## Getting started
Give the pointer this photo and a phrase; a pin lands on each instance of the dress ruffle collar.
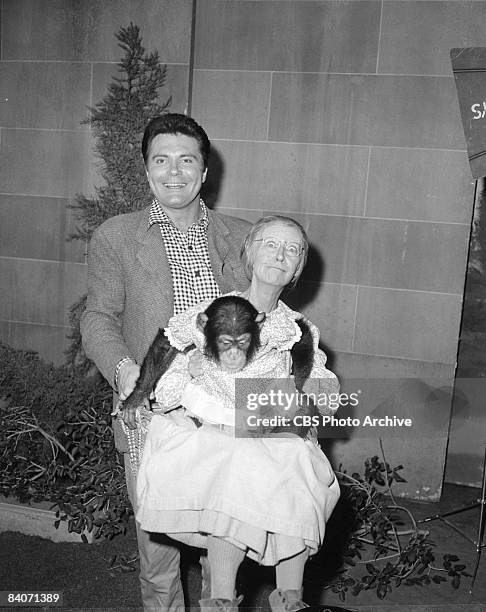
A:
(279, 330)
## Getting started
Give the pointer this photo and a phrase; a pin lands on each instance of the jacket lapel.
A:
(152, 257)
(218, 245)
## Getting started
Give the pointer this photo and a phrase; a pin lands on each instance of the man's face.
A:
(175, 170)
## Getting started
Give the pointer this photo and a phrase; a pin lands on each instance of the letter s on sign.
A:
(475, 108)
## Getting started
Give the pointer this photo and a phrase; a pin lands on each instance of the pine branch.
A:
(117, 123)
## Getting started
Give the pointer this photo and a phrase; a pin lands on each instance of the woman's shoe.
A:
(286, 601)
(216, 604)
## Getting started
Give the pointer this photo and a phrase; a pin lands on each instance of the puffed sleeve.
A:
(322, 383)
(170, 386)
(182, 329)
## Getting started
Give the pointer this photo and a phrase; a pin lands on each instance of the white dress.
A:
(270, 496)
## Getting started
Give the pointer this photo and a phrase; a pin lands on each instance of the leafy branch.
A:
(56, 444)
(396, 551)
(117, 123)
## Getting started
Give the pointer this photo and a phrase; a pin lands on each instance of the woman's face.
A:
(273, 263)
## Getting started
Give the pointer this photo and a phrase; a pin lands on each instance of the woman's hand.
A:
(195, 363)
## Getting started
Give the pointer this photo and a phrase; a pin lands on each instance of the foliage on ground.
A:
(385, 539)
(56, 443)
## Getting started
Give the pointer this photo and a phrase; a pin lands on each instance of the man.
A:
(145, 266)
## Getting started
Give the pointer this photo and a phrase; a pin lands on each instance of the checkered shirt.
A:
(188, 255)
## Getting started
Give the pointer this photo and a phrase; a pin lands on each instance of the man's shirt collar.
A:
(159, 216)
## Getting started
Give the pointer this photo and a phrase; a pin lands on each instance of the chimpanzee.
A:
(231, 328)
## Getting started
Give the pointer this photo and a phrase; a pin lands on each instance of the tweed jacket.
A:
(130, 292)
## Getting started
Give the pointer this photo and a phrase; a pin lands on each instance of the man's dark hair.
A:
(176, 123)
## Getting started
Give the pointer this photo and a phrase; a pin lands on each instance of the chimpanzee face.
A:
(231, 327)
(233, 352)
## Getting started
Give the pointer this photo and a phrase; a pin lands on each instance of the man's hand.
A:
(127, 377)
(195, 363)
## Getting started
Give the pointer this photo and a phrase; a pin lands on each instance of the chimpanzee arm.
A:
(168, 390)
(302, 353)
(157, 360)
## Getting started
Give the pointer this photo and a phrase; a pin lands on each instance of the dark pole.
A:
(191, 60)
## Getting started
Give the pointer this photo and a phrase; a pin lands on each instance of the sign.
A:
(469, 68)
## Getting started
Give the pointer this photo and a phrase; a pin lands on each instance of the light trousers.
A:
(160, 576)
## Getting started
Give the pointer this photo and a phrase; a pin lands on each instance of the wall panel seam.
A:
(379, 39)
(397, 357)
(21, 322)
(355, 317)
(2, 21)
(36, 129)
(334, 215)
(324, 73)
(404, 290)
(336, 144)
(32, 195)
(49, 261)
(366, 181)
(69, 61)
(269, 106)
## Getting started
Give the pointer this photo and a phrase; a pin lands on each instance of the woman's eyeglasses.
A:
(292, 249)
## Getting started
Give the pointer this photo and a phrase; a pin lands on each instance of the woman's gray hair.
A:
(248, 248)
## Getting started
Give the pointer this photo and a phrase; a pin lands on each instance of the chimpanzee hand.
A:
(127, 377)
(195, 363)
(129, 414)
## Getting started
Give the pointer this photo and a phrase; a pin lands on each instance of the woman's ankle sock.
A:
(290, 572)
(224, 560)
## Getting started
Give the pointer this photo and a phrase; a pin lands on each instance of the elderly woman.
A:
(266, 497)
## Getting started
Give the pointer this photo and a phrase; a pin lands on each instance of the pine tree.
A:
(118, 122)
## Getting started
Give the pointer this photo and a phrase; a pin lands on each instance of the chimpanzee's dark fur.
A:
(234, 316)
(302, 360)
(157, 361)
(161, 354)
(302, 355)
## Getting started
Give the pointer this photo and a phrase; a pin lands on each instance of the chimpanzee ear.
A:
(261, 316)
(201, 320)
